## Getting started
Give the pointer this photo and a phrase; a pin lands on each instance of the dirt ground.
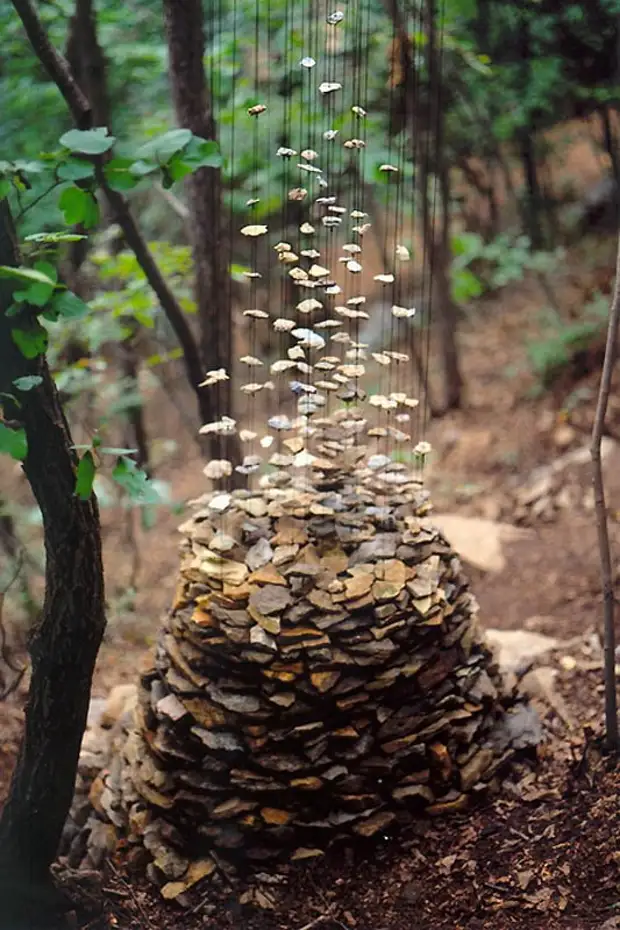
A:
(545, 853)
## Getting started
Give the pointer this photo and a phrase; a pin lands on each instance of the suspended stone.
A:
(334, 18)
(359, 111)
(381, 358)
(307, 229)
(214, 377)
(307, 62)
(402, 253)
(309, 338)
(282, 247)
(281, 365)
(360, 230)
(253, 231)
(280, 422)
(358, 214)
(351, 314)
(333, 289)
(318, 271)
(330, 134)
(225, 426)
(403, 313)
(331, 220)
(353, 371)
(311, 169)
(250, 465)
(398, 356)
(328, 324)
(288, 258)
(310, 253)
(352, 248)
(353, 266)
(252, 387)
(355, 301)
(282, 325)
(384, 278)
(297, 194)
(251, 360)
(256, 314)
(334, 208)
(380, 400)
(309, 154)
(355, 144)
(257, 109)
(247, 435)
(422, 448)
(298, 274)
(388, 168)
(329, 87)
(296, 352)
(252, 201)
(266, 442)
(284, 152)
(217, 469)
(303, 459)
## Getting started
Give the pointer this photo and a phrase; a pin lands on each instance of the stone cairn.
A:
(320, 678)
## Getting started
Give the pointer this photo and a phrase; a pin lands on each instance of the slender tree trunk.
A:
(609, 139)
(64, 644)
(137, 434)
(186, 45)
(448, 312)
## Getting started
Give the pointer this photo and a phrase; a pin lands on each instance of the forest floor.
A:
(545, 853)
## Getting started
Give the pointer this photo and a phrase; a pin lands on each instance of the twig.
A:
(173, 202)
(611, 700)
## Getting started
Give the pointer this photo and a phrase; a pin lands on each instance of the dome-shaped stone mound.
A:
(320, 676)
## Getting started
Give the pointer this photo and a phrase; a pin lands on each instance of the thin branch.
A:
(56, 66)
(611, 700)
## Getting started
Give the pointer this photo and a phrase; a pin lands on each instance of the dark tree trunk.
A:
(64, 644)
(137, 434)
(186, 45)
(609, 139)
(438, 245)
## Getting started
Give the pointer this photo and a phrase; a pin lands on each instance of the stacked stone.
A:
(320, 678)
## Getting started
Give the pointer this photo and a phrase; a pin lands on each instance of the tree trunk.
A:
(186, 45)
(439, 245)
(64, 644)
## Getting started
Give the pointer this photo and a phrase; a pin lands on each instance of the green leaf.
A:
(13, 442)
(118, 175)
(68, 305)
(140, 169)
(28, 382)
(134, 482)
(76, 169)
(5, 188)
(74, 203)
(198, 154)
(162, 148)
(28, 275)
(54, 238)
(88, 142)
(91, 213)
(32, 341)
(85, 476)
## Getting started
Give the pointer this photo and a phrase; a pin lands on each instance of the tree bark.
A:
(184, 22)
(64, 644)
